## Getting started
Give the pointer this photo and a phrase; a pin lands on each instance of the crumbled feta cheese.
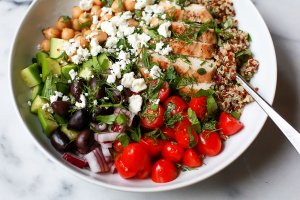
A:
(164, 16)
(127, 79)
(72, 74)
(123, 55)
(29, 103)
(111, 78)
(140, 4)
(163, 29)
(82, 103)
(138, 85)
(109, 28)
(135, 103)
(69, 48)
(138, 41)
(47, 107)
(163, 51)
(116, 69)
(120, 88)
(95, 102)
(111, 42)
(95, 47)
(146, 71)
(86, 4)
(65, 98)
(95, 19)
(155, 72)
(55, 97)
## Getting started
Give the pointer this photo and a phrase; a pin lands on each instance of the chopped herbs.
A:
(106, 119)
(192, 142)
(124, 139)
(170, 119)
(194, 120)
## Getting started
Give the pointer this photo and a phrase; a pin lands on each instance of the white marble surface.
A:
(269, 169)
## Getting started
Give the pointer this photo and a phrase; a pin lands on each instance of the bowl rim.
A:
(163, 187)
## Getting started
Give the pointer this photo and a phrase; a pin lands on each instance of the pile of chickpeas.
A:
(80, 25)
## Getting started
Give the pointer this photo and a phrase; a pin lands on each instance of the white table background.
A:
(269, 169)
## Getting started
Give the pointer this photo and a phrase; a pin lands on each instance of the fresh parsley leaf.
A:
(210, 125)
(169, 119)
(135, 134)
(192, 142)
(121, 119)
(124, 139)
(146, 59)
(106, 119)
(243, 56)
(211, 103)
(194, 120)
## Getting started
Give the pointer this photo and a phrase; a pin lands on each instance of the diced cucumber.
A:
(49, 87)
(56, 47)
(37, 103)
(72, 135)
(31, 75)
(66, 69)
(86, 71)
(36, 90)
(63, 88)
(40, 56)
(47, 121)
(60, 120)
(49, 65)
(104, 62)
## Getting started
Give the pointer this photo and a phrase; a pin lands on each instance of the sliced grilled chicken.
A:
(189, 68)
(191, 90)
(181, 28)
(194, 12)
(195, 49)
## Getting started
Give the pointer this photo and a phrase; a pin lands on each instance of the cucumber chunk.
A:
(37, 103)
(56, 47)
(31, 75)
(48, 122)
(36, 90)
(40, 56)
(72, 135)
(49, 65)
(86, 71)
(66, 69)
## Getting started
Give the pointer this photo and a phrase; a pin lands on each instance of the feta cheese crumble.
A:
(82, 103)
(135, 103)
(163, 29)
(72, 74)
(138, 85)
(163, 51)
(127, 79)
(86, 4)
(155, 72)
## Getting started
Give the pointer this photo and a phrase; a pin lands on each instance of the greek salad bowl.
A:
(145, 41)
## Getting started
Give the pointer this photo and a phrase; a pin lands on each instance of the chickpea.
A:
(133, 23)
(81, 39)
(116, 7)
(67, 33)
(45, 45)
(85, 18)
(94, 26)
(76, 12)
(63, 22)
(76, 25)
(51, 33)
(86, 32)
(96, 10)
(98, 2)
(101, 37)
(106, 17)
(129, 5)
(155, 22)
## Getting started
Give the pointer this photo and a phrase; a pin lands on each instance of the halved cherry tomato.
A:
(123, 170)
(164, 90)
(210, 143)
(186, 135)
(135, 157)
(169, 132)
(173, 152)
(164, 171)
(179, 104)
(154, 146)
(191, 159)
(146, 172)
(118, 146)
(153, 119)
(228, 125)
(199, 106)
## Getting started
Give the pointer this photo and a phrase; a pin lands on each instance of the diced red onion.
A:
(106, 152)
(99, 127)
(106, 145)
(106, 137)
(74, 160)
(96, 161)
(108, 159)
(113, 169)
(129, 114)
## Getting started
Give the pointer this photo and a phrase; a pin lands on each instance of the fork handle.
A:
(292, 134)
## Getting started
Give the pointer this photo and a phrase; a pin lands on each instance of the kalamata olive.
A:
(76, 88)
(102, 111)
(59, 141)
(79, 120)
(61, 108)
(84, 141)
(96, 87)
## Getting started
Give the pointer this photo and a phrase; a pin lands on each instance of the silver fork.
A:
(292, 134)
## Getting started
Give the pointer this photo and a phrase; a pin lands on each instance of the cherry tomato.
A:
(118, 146)
(173, 152)
(124, 171)
(210, 143)
(154, 146)
(153, 119)
(178, 103)
(146, 172)
(191, 159)
(228, 124)
(118, 128)
(186, 135)
(164, 171)
(164, 90)
(135, 157)
(199, 106)
(169, 132)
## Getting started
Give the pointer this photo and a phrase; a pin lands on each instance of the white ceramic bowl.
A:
(43, 13)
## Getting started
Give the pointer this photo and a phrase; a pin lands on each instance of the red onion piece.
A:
(97, 161)
(106, 145)
(106, 137)
(74, 160)
(99, 127)
(106, 152)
